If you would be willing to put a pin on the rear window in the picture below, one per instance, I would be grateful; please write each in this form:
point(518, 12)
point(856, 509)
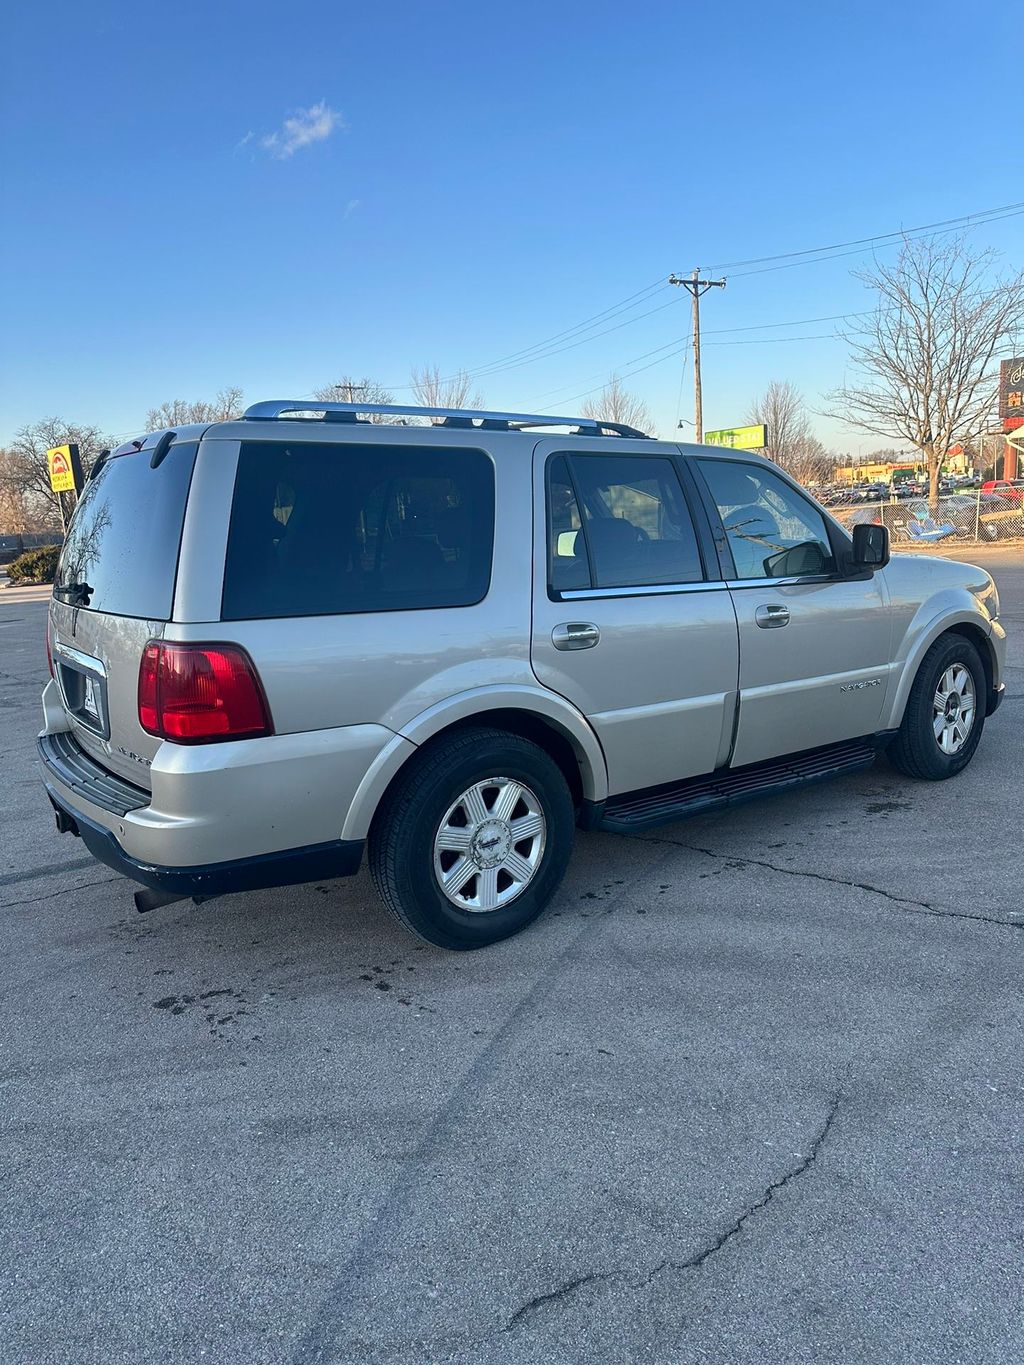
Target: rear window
point(121, 551)
point(320, 529)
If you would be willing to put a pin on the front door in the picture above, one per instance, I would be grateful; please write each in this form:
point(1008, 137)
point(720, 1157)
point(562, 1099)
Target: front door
point(628, 625)
point(814, 648)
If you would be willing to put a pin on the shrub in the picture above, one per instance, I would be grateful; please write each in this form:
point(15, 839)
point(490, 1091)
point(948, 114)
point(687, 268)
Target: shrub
point(35, 566)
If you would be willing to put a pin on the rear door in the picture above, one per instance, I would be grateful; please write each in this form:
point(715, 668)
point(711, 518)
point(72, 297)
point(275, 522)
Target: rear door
point(815, 648)
point(113, 591)
point(629, 624)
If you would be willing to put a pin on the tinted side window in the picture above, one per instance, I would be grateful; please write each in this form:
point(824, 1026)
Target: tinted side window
point(121, 552)
point(773, 531)
point(636, 526)
point(321, 529)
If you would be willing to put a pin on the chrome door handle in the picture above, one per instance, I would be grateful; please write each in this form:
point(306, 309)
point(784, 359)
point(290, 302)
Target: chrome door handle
point(768, 618)
point(575, 635)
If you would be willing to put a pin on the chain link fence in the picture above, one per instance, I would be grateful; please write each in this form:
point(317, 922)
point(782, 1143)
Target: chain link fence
point(968, 516)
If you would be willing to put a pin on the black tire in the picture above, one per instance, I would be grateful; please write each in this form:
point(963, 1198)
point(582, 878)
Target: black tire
point(401, 845)
point(989, 531)
point(915, 750)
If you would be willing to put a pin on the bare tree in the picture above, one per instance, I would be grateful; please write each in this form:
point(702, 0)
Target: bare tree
point(927, 354)
point(436, 391)
point(348, 389)
point(791, 442)
point(24, 472)
point(17, 514)
point(781, 409)
point(615, 403)
point(179, 412)
point(811, 463)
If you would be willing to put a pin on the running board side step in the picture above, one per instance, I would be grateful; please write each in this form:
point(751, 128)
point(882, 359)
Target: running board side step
point(731, 787)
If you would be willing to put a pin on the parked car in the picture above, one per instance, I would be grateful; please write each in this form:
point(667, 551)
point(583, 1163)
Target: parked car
point(966, 516)
point(997, 517)
point(1013, 490)
point(446, 645)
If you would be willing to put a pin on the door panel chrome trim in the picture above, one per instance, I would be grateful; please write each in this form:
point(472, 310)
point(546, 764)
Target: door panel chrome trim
point(736, 583)
point(650, 590)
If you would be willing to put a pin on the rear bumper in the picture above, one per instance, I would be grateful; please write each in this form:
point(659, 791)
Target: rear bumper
point(207, 804)
point(316, 862)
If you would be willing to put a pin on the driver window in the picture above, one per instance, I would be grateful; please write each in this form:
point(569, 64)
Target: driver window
point(773, 531)
point(636, 526)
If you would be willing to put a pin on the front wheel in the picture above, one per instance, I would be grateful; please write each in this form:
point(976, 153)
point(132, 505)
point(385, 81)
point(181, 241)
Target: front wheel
point(472, 841)
point(945, 712)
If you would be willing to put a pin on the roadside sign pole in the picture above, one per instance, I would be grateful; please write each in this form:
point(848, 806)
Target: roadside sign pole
point(64, 466)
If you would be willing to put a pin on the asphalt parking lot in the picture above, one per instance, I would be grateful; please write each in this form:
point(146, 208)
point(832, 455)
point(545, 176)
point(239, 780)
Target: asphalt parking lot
point(750, 1092)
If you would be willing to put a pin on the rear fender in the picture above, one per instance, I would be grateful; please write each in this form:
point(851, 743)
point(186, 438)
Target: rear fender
point(478, 704)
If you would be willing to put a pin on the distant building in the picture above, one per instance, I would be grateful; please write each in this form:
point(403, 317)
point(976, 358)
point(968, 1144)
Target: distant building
point(956, 462)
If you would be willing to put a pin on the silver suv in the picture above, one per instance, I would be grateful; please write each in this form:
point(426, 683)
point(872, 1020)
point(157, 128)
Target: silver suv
point(279, 640)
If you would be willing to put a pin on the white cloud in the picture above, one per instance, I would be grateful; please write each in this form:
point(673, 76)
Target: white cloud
point(351, 207)
point(302, 129)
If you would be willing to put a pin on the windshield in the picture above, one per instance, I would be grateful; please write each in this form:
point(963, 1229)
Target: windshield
point(121, 552)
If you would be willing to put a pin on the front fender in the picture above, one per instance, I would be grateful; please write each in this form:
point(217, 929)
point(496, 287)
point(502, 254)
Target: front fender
point(933, 620)
point(477, 704)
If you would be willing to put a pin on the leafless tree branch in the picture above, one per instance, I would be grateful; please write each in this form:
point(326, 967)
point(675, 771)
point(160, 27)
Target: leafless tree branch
point(926, 357)
point(615, 403)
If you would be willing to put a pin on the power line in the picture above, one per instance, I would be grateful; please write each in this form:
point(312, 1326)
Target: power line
point(866, 241)
point(857, 251)
point(613, 310)
point(494, 368)
point(797, 322)
point(775, 341)
point(684, 347)
point(574, 335)
point(711, 331)
point(546, 350)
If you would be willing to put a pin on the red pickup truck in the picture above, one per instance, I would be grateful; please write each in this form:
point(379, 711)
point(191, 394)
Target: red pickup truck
point(1014, 491)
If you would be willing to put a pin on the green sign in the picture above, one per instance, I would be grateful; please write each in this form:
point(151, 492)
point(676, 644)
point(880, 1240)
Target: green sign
point(738, 438)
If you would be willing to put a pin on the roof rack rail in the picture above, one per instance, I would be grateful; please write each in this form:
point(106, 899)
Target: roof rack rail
point(473, 418)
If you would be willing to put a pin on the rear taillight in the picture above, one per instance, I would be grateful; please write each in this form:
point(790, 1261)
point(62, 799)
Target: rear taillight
point(196, 694)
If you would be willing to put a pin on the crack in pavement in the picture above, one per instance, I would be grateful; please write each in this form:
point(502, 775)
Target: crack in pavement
point(695, 1261)
point(63, 891)
point(917, 907)
point(805, 1163)
point(318, 1343)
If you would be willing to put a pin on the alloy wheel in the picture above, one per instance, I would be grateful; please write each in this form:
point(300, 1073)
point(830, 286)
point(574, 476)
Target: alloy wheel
point(489, 845)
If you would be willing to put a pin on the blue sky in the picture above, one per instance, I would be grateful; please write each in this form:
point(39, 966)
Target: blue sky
point(460, 181)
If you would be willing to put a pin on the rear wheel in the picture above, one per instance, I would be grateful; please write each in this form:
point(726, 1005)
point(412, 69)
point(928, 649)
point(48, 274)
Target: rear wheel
point(472, 841)
point(944, 718)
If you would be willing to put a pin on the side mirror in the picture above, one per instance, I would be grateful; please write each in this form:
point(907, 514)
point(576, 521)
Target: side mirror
point(870, 547)
point(799, 561)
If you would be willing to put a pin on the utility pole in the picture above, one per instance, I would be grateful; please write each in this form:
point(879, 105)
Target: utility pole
point(696, 286)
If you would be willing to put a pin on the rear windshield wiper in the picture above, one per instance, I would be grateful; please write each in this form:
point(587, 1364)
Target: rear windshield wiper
point(76, 594)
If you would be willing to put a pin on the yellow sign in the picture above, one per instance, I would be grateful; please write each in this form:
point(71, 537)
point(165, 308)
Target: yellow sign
point(738, 438)
point(62, 476)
